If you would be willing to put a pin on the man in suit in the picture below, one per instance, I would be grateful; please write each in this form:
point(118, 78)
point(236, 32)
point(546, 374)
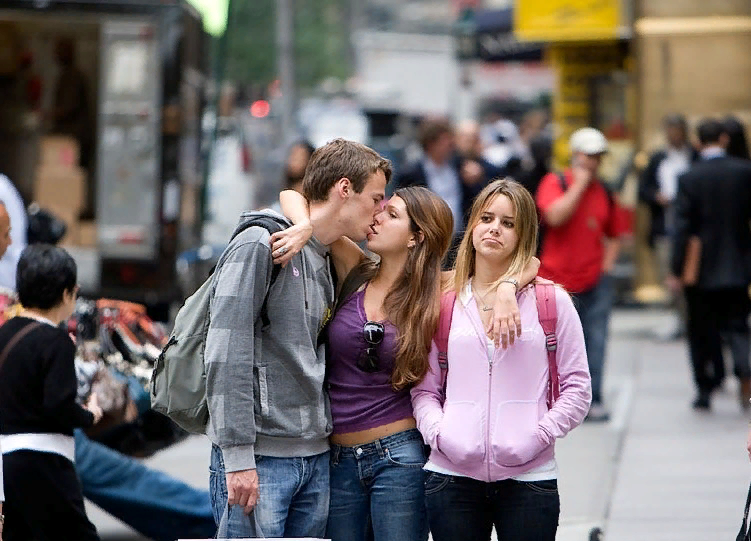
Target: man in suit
point(657, 189)
point(713, 204)
point(456, 178)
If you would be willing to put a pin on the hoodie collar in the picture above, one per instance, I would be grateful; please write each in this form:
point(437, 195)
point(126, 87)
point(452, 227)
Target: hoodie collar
point(466, 294)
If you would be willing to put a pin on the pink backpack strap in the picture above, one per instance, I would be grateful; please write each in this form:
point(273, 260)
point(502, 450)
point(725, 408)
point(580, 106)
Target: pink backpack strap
point(442, 335)
point(548, 315)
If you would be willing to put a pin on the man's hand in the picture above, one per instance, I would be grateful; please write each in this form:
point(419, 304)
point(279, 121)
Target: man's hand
point(242, 489)
point(662, 199)
point(93, 406)
point(673, 283)
point(581, 176)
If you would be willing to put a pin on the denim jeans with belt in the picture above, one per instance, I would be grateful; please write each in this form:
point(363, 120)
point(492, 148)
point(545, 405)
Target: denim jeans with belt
point(293, 501)
point(467, 509)
point(377, 490)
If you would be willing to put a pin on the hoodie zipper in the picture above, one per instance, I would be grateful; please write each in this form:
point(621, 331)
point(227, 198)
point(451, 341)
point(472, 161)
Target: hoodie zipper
point(490, 396)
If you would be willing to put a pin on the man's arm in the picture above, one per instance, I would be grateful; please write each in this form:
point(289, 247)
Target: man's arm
point(648, 186)
point(685, 223)
point(560, 211)
point(612, 251)
point(241, 285)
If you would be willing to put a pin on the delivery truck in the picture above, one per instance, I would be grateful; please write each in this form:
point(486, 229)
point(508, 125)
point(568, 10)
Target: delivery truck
point(100, 123)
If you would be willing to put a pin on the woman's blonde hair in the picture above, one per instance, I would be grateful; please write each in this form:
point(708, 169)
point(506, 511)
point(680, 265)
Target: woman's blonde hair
point(525, 224)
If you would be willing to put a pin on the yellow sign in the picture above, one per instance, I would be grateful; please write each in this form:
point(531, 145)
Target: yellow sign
point(576, 67)
point(567, 20)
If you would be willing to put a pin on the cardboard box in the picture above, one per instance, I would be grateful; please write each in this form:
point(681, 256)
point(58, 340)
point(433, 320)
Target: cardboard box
point(59, 150)
point(87, 234)
point(60, 187)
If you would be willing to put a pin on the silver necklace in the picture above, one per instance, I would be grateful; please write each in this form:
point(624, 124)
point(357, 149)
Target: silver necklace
point(485, 307)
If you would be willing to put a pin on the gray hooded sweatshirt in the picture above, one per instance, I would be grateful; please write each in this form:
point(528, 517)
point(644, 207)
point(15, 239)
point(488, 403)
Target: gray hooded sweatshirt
point(264, 383)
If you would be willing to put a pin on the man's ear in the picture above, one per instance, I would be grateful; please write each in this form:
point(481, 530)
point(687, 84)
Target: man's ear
point(344, 188)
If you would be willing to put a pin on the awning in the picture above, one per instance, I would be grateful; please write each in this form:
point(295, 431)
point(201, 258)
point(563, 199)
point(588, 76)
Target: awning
point(488, 35)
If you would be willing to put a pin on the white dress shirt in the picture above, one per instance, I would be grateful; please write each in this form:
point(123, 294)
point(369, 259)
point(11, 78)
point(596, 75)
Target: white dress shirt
point(444, 182)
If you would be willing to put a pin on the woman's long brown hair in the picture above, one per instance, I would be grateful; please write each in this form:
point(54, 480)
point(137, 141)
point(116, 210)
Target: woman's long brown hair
point(413, 304)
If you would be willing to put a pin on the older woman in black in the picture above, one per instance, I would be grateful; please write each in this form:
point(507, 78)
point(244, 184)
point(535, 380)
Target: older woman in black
point(38, 409)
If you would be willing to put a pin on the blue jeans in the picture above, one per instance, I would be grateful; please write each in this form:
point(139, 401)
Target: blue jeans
point(466, 509)
point(594, 307)
point(294, 496)
point(151, 502)
point(379, 485)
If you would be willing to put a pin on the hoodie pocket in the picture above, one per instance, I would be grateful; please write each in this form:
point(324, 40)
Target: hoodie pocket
point(460, 435)
point(515, 438)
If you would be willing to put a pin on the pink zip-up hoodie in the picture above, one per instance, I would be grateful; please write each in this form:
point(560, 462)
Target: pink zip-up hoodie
point(495, 423)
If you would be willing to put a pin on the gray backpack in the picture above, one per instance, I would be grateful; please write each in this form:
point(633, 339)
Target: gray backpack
point(178, 382)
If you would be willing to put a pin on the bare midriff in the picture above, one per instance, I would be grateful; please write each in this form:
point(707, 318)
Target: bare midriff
point(370, 435)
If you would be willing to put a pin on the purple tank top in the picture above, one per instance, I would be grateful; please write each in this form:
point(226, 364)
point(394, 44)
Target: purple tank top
point(361, 400)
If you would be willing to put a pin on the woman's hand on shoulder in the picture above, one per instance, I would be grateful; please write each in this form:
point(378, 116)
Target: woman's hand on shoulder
point(289, 242)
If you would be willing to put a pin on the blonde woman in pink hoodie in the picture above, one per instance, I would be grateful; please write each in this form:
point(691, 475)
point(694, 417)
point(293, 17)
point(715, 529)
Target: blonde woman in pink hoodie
point(492, 438)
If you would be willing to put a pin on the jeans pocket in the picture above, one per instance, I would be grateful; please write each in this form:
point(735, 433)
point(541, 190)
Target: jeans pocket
point(436, 482)
point(410, 454)
point(218, 493)
point(216, 461)
point(549, 486)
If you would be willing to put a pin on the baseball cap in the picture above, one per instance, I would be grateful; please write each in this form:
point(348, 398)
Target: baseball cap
point(588, 141)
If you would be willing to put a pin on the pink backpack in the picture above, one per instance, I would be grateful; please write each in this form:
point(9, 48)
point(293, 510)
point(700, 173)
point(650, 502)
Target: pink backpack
point(547, 313)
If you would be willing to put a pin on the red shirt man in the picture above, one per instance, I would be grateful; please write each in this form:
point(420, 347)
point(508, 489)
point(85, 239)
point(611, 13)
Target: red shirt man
point(579, 220)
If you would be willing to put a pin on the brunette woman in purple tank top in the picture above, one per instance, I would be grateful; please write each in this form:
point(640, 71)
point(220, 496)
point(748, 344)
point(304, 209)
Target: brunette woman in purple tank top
point(378, 345)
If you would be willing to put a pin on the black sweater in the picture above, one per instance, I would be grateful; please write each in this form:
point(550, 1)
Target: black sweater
point(38, 382)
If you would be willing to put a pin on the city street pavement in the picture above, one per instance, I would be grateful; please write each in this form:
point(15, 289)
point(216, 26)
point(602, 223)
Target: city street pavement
point(656, 471)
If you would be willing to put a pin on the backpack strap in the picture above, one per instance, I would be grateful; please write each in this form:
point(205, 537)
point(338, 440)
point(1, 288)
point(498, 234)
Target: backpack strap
point(272, 225)
point(16, 339)
point(548, 316)
point(562, 181)
point(442, 335)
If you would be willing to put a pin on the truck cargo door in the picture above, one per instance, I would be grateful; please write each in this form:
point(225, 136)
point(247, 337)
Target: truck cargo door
point(129, 146)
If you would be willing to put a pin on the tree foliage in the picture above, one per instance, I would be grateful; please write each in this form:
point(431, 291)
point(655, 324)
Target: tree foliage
point(321, 41)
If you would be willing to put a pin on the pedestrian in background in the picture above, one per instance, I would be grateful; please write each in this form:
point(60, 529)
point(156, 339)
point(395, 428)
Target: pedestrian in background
point(713, 206)
point(737, 140)
point(658, 187)
point(492, 460)
point(38, 409)
point(583, 227)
